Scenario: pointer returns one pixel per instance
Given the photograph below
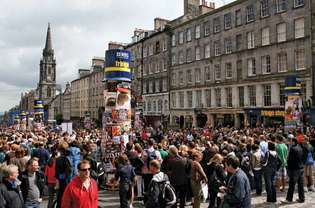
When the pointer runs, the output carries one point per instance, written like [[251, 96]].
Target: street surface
[[110, 199]]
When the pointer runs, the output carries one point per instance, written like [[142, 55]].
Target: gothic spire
[[48, 46]]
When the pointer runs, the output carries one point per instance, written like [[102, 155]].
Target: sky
[[81, 29]]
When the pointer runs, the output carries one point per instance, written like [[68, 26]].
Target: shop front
[[268, 117]]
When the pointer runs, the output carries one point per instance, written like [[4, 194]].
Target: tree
[[59, 118]]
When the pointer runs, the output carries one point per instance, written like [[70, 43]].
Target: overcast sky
[[81, 29]]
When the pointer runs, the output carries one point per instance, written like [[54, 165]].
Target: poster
[[293, 112]]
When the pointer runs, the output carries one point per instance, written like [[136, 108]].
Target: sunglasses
[[84, 170]]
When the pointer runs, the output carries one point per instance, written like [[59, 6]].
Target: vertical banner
[[293, 106]]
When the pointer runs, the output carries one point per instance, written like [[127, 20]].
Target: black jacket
[[178, 169], [39, 180], [154, 191], [9, 196], [297, 157]]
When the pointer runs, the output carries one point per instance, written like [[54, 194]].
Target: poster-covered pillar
[[38, 114], [117, 96]]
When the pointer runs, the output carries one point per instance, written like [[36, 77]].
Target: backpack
[[150, 156], [309, 159], [167, 196]]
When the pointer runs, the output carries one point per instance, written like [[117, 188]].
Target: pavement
[[110, 199]]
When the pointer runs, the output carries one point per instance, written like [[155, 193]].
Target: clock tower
[[47, 74]]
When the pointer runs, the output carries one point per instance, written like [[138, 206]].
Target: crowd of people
[[223, 167]]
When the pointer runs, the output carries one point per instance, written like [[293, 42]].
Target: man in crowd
[[296, 159], [82, 190], [32, 184], [10, 193], [237, 192]]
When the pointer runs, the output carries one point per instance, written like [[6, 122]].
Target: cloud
[[81, 29]]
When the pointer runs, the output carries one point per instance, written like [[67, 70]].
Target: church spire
[[48, 46]]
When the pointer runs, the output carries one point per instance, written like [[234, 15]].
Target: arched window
[[48, 92]]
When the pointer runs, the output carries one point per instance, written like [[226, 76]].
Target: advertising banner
[[293, 112], [117, 63]]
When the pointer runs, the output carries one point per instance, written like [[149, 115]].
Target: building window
[[173, 40], [251, 66], [207, 50], [173, 99], [181, 37], [144, 51], [282, 62], [264, 8], [250, 40], [164, 65], [157, 47], [300, 59], [206, 27], [173, 59], [151, 50], [252, 95], [238, 42], [197, 53], [217, 50], [281, 5], [299, 28], [265, 33], [238, 17], [189, 99], [188, 35], [165, 105], [160, 105], [188, 55], [157, 86], [267, 95], [164, 85], [207, 73], [218, 97], [265, 64], [197, 31], [181, 57], [164, 44], [228, 45], [217, 71], [181, 77], [198, 75], [153, 86], [173, 78], [189, 76], [181, 100], [228, 70], [281, 32], [241, 96], [208, 97], [250, 13], [148, 87], [282, 94], [144, 88], [229, 96], [198, 99], [216, 25], [298, 3], [227, 21]]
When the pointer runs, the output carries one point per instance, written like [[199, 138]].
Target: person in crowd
[[32, 184], [270, 166], [198, 176], [178, 169], [42, 154], [154, 189], [10, 192], [82, 191], [282, 151], [74, 157], [237, 192], [147, 155], [308, 169], [21, 159], [50, 173], [163, 148], [216, 178], [256, 162], [126, 175], [296, 160], [138, 163], [63, 170]]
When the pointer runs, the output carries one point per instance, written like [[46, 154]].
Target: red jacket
[[76, 196], [50, 172]]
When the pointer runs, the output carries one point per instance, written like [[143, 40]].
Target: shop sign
[[272, 113]]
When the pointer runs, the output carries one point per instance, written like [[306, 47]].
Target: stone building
[[228, 65]]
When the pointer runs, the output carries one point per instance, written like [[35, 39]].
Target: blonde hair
[[217, 158]]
